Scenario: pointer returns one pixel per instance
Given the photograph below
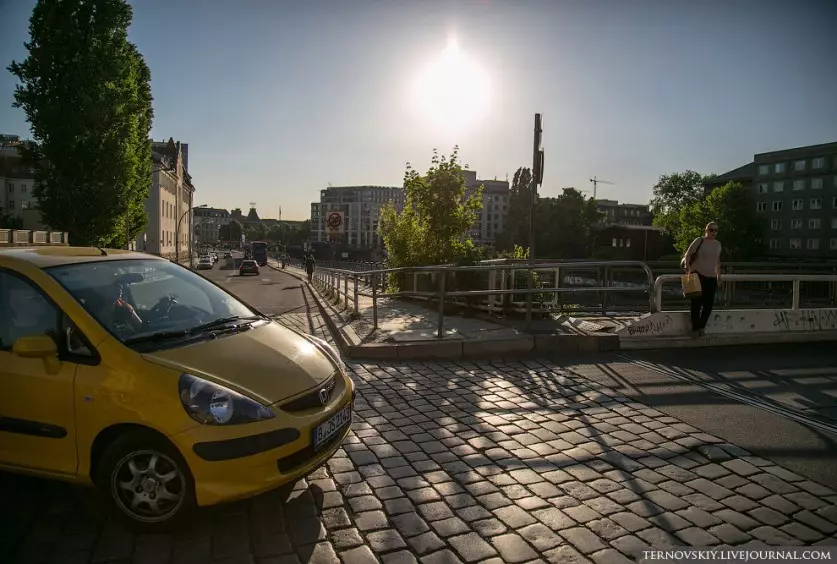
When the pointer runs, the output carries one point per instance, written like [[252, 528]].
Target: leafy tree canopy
[[733, 208], [86, 93], [566, 226], [673, 193], [438, 213]]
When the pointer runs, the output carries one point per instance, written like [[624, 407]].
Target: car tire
[[150, 465]]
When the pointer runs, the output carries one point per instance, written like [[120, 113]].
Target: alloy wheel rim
[[148, 486]]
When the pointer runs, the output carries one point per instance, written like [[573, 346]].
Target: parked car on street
[[143, 378]]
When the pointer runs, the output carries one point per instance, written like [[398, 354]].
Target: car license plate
[[333, 425]]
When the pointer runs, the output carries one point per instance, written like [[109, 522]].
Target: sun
[[452, 91]]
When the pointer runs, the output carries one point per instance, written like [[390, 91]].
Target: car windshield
[[136, 299]]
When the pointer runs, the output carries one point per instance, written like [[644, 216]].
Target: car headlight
[[211, 404]]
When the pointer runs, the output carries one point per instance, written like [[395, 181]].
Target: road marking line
[[782, 411]]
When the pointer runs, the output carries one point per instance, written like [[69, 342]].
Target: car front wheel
[[147, 481]]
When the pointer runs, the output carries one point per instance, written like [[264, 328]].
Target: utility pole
[[537, 179]]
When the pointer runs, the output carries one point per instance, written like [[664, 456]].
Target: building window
[[799, 165], [832, 243], [819, 162], [764, 170], [762, 187], [796, 224], [816, 203], [777, 206], [796, 243], [816, 183], [12, 206], [814, 223], [813, 244], [775, 224], [834, 222], [779, 168], [799, 185], [774, 243], [798, 204], [778, 186], [760, 207]]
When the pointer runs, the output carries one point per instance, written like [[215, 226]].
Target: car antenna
[[101, 250]]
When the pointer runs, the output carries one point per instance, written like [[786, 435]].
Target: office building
[[795, 192], [361, 207], [495, 208], [623, 214], [208, 222]]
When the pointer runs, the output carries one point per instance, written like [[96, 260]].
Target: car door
[[37, 421]]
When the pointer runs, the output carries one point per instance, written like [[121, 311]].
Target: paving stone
[[816, 489], [400, 557], [513, 516], [582, 513], [489, 527], [364, 503], [609, 556], [397, 506], [631, 546], [645, 508], [699, 517], [666, 500], [731, 481], [441, 557], [426, 543], [320, 552], [697, 537], [410, 524], [729, 534], [345, 539], [781, 504], [604, 505], [512, 548], [741, 521], [740, 503], [435, 511], [816, 522], [540, 536], [806, 500], [450, 527], [774, 484], [606, 529], [471, 547], [669, 521], [371, 520], [359, 555], [385, 541], [584, 540], [473, 513], [423, 495], [775, 537], [659, 539], [711, 471]]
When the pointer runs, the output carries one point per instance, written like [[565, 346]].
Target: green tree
[[733, 208], [566, 226], [231, 232], [674, 192], [8, 221], [438, 213], [86, 93], [517, 222]]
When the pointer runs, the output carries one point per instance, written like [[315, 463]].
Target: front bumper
[[271, 454]]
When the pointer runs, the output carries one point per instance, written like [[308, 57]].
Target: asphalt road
[[778, 401], [272, 291]]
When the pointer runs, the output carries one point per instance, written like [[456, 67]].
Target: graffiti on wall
[[652, 326], [805, 320]]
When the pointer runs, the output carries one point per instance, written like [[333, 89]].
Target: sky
[[279, 99]]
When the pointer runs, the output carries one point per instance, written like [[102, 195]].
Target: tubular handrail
[[796, 279]]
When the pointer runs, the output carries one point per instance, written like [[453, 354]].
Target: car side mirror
[[39, 346]]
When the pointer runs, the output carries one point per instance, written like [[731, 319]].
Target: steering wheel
[[162, 308]]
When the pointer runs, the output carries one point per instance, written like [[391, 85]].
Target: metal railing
[[506, 281], [758, 291]]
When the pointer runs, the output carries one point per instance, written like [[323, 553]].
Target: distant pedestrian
[[309, 266], [703, 257]]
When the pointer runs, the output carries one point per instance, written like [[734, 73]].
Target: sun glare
[[452, 91]]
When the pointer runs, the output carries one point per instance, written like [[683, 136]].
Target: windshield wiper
[[223, 321]]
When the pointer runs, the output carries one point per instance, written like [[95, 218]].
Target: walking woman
[[704, 258]]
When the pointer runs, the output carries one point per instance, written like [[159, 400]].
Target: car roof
[[58, 255]]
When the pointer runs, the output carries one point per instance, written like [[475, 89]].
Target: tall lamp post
[[177, 236]]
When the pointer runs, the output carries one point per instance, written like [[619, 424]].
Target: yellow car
[[134, 374]]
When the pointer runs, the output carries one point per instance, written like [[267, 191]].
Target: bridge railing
[[754, 291], [26, 237], [497, 287]]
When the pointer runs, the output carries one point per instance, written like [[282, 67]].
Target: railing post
[[346, 289], [796, 287], [605, 284], [440, 330], [356, 293], [375, 302]]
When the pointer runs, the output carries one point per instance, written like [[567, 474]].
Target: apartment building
[[170, 199], [795, 191], [623, 214], [208, 222], [495, 206], [17, 185], [361, 207]]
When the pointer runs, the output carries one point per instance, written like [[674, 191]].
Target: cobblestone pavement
[[465, 462]]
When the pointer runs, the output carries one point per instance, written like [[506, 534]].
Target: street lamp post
[[177, 236]]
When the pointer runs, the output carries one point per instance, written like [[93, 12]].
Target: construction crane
[[596, 182]]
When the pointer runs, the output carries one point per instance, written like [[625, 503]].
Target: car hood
[[269, 362]]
